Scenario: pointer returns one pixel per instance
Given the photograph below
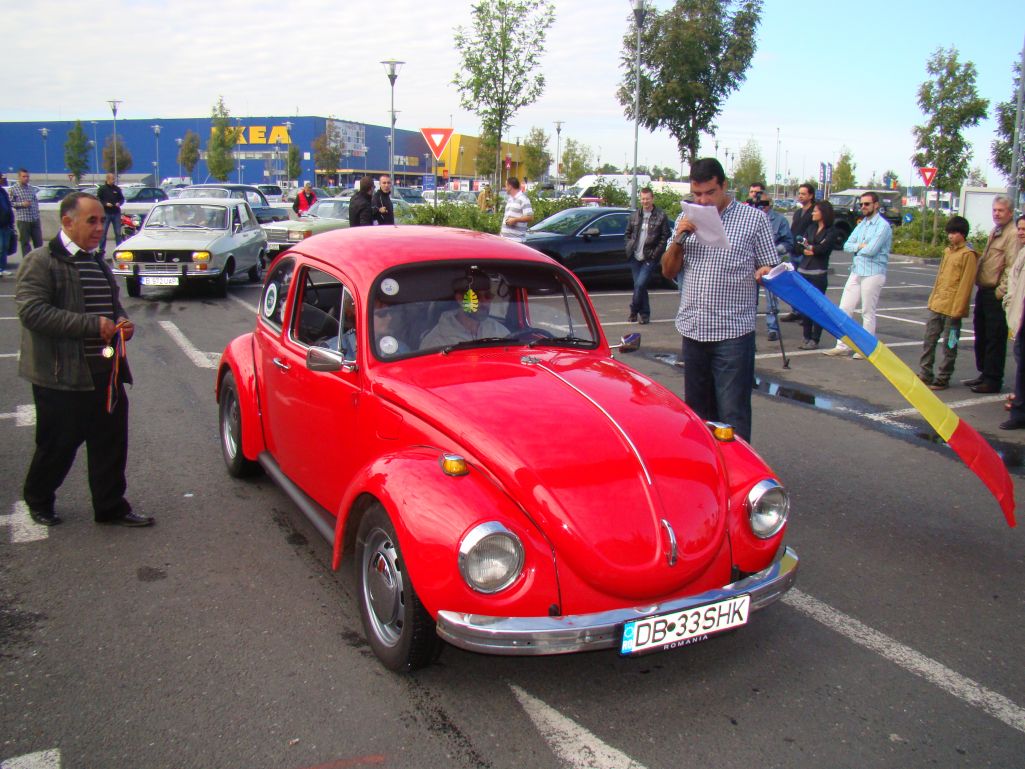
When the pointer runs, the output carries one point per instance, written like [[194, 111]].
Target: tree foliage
[[951, 103], [294, 163], [576, 160], [750, 168], [693, 56], [843, 171], [976, 178], [221, 144], [76, 152], [328, 149], [1003, 145], [537, 158], [124, 156], [487, 153], [188, 152], [502, 53]]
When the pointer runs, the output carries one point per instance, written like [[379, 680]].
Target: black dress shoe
[[128, 519], [972, 382], [632, 318], [44, 518], [791, 317], [1013, 424], [645, 320], [985, 388]]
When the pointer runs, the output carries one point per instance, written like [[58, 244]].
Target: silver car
[[187, 240]]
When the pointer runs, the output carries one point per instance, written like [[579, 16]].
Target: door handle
[[281, 364]]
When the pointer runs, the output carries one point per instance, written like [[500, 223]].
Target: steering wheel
[[531, 334]]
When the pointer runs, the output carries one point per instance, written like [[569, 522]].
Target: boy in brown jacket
[[948, 303]]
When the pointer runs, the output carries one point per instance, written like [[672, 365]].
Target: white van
[[584, 188]]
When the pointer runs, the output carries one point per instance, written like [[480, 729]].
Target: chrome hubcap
[[382, 587]]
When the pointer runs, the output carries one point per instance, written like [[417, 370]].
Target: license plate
[[154, 281], [682, 628]]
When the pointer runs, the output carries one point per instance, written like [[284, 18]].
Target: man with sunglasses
[[870, 242]]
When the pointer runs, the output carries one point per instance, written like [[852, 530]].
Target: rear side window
[[275, 293]]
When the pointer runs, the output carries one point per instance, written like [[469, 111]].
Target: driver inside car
[[470, 319]]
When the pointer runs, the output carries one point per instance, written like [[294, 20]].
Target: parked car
[[469, 516], [205, 240], [848, 213], [143, 194], [322, 216], [247, 192], [53, 194], [412, 196], [272, 192]]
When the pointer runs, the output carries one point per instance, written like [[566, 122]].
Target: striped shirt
[[19, 195], [516, 206], [98, 297], [719, 293]]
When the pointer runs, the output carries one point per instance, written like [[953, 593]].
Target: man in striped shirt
[[69, 310], [718, 299], [518, 212]]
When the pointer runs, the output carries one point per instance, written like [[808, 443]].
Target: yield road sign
[[437, 139], [928, 174]]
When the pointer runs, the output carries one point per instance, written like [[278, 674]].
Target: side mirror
[[591, 232], [324, 359], [628, 343]]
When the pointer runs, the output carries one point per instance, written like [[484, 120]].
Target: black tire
[[133, 288], [230, 421], [256, 271], [397, 626], [220, 284]]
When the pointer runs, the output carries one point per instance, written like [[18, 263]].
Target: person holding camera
[[815, 247], [784, 241]]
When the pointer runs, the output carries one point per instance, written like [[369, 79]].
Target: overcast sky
[[823, 76]]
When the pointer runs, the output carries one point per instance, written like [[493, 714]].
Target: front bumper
[[523, 636], [158, 270]]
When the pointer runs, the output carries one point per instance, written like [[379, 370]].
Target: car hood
[[164, 239], [604, 460]]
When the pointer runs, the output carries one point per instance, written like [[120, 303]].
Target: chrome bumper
[[602, 630]]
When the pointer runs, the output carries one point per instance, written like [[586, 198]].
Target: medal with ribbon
[[118, 351]]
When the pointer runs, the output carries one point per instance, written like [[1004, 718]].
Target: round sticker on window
[[270, 300], [389, 287], [389, 345]]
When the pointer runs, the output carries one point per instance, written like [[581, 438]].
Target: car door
[[247, 234], [598, 248]]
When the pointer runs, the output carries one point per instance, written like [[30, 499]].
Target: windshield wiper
[[484, 340], [561, 341], [193, 227]]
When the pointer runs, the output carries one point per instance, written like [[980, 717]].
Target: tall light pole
[[44, 132], [156, 162], [775, 188], [1016, 139], [113, 108], [639, 12], [96, 152], [178, 141], [392, 67], [288, 155], [558, 157]]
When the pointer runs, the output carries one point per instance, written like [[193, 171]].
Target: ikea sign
[[257, 134]]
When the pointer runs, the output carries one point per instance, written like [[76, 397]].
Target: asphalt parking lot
[[221, 637]]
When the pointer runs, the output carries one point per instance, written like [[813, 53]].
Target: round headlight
[[490, 557], [768, 505]]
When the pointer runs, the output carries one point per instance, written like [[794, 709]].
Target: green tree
[[487, 153], [607, 168], [951, 103], [327, 150], [124, 156], [294, 163], [1003, 145], [576, 160], [693, 56], [538, 159], [843, 171], [221, 144], [76, 152], [976, 178], [188, 152], [501, 55], [890, 179], [750, 168]]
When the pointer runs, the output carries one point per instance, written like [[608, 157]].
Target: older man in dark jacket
[[647, 233], [73, 329]]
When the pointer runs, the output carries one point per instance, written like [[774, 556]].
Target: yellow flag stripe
[[936, 412]]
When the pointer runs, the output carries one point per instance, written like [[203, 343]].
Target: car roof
[[226, 186], [200, 201], [363, 253]]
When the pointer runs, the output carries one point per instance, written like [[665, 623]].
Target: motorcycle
[[130, 224]]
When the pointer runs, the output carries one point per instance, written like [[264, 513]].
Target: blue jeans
[[771, 311], [718, 378], [111, 219], [642, 276]]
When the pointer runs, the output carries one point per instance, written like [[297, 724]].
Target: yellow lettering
[[257, 134], [240, 135], [279, 135]]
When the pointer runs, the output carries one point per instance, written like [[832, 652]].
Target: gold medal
[[108, 352]]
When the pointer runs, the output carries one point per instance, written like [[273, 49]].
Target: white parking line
[[249, 306], [201, 359], [574, 745], [23, 416], [965, 689], [22, 528], [46, 759]]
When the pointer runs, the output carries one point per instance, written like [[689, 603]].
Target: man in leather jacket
[[361, 207], [646, 235]]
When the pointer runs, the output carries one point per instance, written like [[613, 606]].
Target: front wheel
[[133, 287], [256, 271], [231, 431], [397, 626]]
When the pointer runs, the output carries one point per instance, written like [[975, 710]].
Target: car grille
[[276, 236], [157, 261]]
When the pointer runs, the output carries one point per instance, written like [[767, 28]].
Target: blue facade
[[260, 158]]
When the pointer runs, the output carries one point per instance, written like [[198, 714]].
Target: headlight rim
[[473, 538], [756, 495]]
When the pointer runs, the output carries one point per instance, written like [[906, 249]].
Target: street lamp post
[[113, 108], [639, 12], [96, 152], [558, 158], [156, 162], [178, 141], [392, 67], [44, 132]]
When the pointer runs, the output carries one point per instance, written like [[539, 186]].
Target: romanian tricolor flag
[[959, 435]]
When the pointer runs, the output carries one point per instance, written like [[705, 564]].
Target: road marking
[[22, 527], [201, 359], [965, 689], [9, 355], [249, 306], [574, 745], [23, 416], [886, 415], [11, 317], [45, 759]]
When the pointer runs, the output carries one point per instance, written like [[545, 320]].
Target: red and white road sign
[[928, 174], [437, 139]]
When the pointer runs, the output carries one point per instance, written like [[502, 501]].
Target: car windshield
[[188, 216], [330, 209], [565, 222], [843, 200], [269, 189], [410, 195], [205, 192], [440, 308], [52, 193]]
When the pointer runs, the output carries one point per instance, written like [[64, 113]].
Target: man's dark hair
[[759, 185], [958, 224], [366, 185], [647, 190], [872, 195], [809, 187], [22, 170], [513, 182], [382, 177], [69, 204], [828, 214], [707, 169]]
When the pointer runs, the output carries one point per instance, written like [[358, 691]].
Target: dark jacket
[[6, 210], [801, 223], [54, 323], [361, 210], [822, 244], [379, 200], [658, 234], [111, 197]]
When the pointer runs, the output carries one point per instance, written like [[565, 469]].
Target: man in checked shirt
[[718, 300]]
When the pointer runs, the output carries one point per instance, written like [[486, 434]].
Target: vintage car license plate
[[155, 281], [683, 628]]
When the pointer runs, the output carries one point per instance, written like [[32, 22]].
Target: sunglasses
[[866, 205]]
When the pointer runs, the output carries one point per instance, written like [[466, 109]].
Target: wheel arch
[[238, 359]]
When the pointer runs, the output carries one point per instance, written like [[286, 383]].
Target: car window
[[275, 293], [236, 218], [325, 314], [254, 199], [565, 222], [613, 224], [203, 192], [246, 215]]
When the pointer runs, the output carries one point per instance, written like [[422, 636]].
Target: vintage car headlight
[[299, 234], [768, 505], [490, 557], [201, 256], [123, 256]]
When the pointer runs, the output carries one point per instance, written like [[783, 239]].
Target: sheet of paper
[[709, 226]]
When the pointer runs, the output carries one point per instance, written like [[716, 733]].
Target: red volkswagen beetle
[[445, 408]]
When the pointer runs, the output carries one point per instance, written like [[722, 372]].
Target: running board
[[321, 519]]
